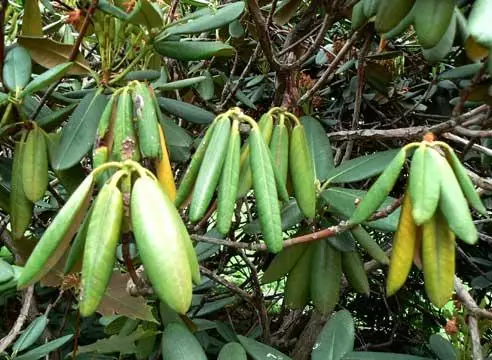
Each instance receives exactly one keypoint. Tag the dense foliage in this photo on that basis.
(190, 179)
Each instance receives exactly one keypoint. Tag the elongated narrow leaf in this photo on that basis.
(362, 167)
(16, 69)
(336, 339)
(207, 22)
(193, 50)
(46, 79)
(179, 84)
(286, 11)
(320, 147)
(186, 111)
(342, 201)
(80, 131)
(380, 189)
(424, 185)
(45, 349)
(31, 334)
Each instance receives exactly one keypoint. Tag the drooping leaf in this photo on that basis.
(147, 16)
(31, 334)
(362, 167)
(193, 50)
(320, 147)
(336, 339)
(118, 301)
(343, 201)
(16, 69)
(259, 351)
(49, 53)
(291, 215)
(187, 112)
(179, 84)
(79, 133)
(45, 349)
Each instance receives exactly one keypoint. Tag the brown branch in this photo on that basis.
(263, 36)
(21, 319)
(330, 71)
(412, 132)
(317, 235)
(73, 55)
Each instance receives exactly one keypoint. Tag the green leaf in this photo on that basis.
(46, 79)
(31, 20)
(186, 111)
(236, 30)
(31, 334)
(461, 72)
(49, 53)
(178, 343)
(16, 69)
(148, 16)
(291, 215)
(179, 84)
(232, 351)
(259, 351)
(442, 348)
(79, 133)
(206, 88)
(444, 46)
(122, 344)
(206, 22)
(479, 22)
(362, 167)
(320, 147)
(55, 119)
(380, 356)
(343, 201)
(45, 349)
(244, 99)
(177, 139)
(6, 272)
(336, 339)
(193, 50)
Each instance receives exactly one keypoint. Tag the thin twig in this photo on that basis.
(232, 287)
(21, 319)
(330, 71)
(263, 35)
(241, 77)
(262, 310)
(73, 55)
(318, 235)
